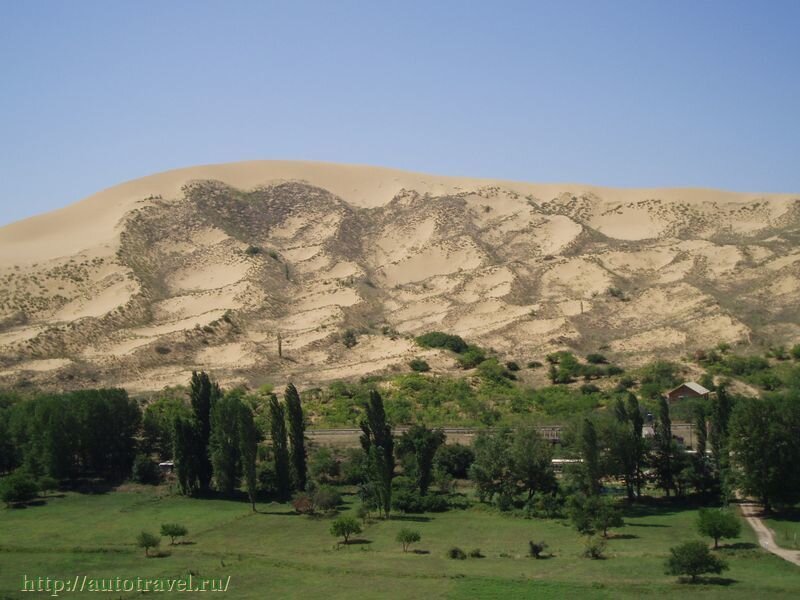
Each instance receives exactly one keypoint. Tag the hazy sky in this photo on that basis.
(622, 93)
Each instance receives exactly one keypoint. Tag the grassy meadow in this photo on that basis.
(276, 553)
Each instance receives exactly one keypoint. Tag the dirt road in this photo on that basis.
(752, 512)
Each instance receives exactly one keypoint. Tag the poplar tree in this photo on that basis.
(297, 432)
(378, 445)
(280, 449)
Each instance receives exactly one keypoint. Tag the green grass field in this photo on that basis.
(277, 554)
(787, 528)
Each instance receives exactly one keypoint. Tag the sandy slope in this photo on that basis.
(142, 282)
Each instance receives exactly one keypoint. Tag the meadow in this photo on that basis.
(275, 553)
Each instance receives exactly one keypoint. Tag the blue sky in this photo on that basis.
(621, 93)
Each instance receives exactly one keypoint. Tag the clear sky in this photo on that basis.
(621, 93)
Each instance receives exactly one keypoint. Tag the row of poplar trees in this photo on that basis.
(219, 442)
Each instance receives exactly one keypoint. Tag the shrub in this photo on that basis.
(534, 364)
(349, 338)
(454, 459)
(147, 540)
(456, 553)
(512, 366)
(47, 484)
(594, 547)
(327, 498)
(420, 366)
(253, 250)
(471, 357)
(718, 524)
(795, 352)
(323, 466)
(475, 553)
(437, 339)
(536, 549)
(693, 559)
(363, 512)
(145, 470)
(17, 488)
(596, 359)
(303, 504)
(543, 505)
(344, 527)
(589, 388)
(173, 531)
(407, 537)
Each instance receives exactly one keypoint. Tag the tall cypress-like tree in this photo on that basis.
(224, 443)
(664, 448)
(378, 445)
(248, 450)
(186, 464)
(280, 449)
(590, 453)
(203, 394)
(420, 445)
(297, 436)
(718, 435)
(637, 426)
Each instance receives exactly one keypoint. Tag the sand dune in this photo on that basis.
(207, 266)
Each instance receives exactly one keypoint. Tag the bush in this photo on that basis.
(408, 500)
(512, 366)
(253, 250)
(471, 357)
(475, 553)
(718, 524)
(589, 388)
(693, 559)
(173, 531)
(407, 537)
(303, 504)
(543, 505)
(594, 547)
(795, 352)
(323, 466)
(456, 553)
(349, 338)
(534, 364)
(344, 527)
(147, 540)
(596, 359)
(17, 488)
(145, 470)
(454, 459)
(535, 549)
(326, 498)
(437, 339)
(420, 366)
(47, 484)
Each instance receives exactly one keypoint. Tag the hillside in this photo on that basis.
(206, 267)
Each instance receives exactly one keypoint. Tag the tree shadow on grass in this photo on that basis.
(160, 554)
(280, 513)
(420, 551)
(414, 518)
(645, 525)
(723, 581)
(739, 546)
(623, 536)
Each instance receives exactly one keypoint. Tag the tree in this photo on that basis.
(297, 432)
(17, 488)
(249, 436)
(147, 540)
(224, 443)
(280, 450)
(145, 470)
(173, 531)
(378, 445)
(721, 410)
(765, 447)
(203, 394)
(185, 444)
(326, 498)
(718, 524)
(590, 453)
(531, 461)
(634, 413)
(344, 527)
(454, 459)
(590, 514)
(693, 559)
(664, 448)
(407, 537)
(607, 515)
(419, 444)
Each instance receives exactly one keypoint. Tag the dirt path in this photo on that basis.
(751, 512)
